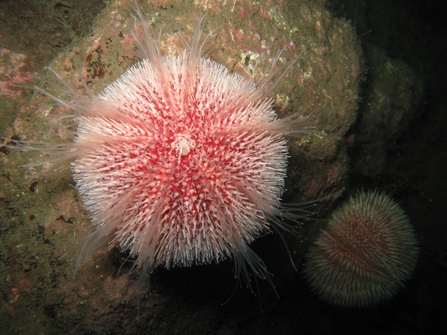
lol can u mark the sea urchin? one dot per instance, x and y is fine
(365, 253)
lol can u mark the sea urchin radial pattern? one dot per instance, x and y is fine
(365, 253)
(182, 166)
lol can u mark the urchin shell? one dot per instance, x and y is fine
(365, 253)
(179, 162)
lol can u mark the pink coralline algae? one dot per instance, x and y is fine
(15, 69)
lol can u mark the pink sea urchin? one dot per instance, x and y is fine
(179, 162)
